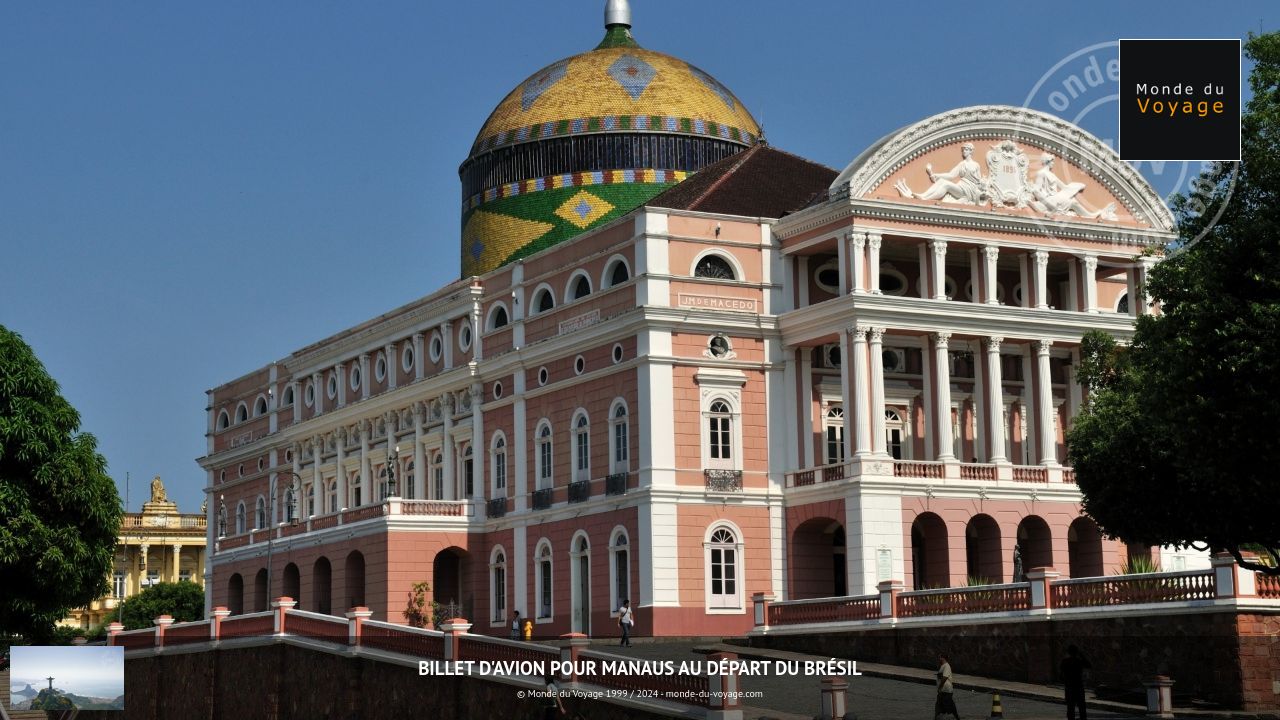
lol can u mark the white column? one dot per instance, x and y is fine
(1073, 286)
(978, 402)
(477, 345)
(975, 274)
(446, 447)
(805, 417)
(873, 261)
(322, 497)
(923, 256)
(297, 401)
(1042, 279)
(478, 445)
(995, 400)
(929, 400)
(340, 442)
(857, 248)
(365, 378)
(446, 337)
(939, 248)
(300, 492)
(1027, 409)
(877, 391)
(393, 365)
(862, 428)
(848, 401)
(317, 391)
(366, 474)
(419, 455)
(1024, 278)
(1089, 265)
(177, 556)
(340, 376)
(1131, 281)
(990, 255)
(842, 264)
(1144, 298)
(942, 424)
(1044, 402)
(418, 365)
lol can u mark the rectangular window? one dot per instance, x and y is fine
(620, 444)
(117, 585)
(544, 605)
(500, 470)
(499, 593)
(720, 438)
(439, 482)
(468, 474)
(544, 465)
(622, 588)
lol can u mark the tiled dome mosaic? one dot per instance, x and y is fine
(588, 139)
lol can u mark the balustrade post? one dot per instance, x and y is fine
(162, 622)
(762, 602)
(282, 605)
(454, 629)
(220, 613)
(1228, 579)
(113, 630)
(1159, 696)
(355, 624)
(724, 701)
(834, 698)
(571, 648)
(1041, 580)
(889, 590)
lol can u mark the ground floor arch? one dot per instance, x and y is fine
(1035, 544)
(355, 585)
(930, 564)
(983, 550)
(1084, 548)
(818, 560)
(321, 586)
(448, 576)
(260, 591)
(235, 594)
(292, 583)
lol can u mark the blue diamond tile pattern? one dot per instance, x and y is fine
(714, 85)
(538, 84)
(633, 74)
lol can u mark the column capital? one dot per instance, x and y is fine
(857, 237)
(939, 247)
(941, 339)
(1041, 257)
(876, 334)
(1042, 346)
(364, 357)
(858, 332)
(417, 337)
(993, 343)
(874, 238)
(447, 325)
(1090, 262)
(991, 252)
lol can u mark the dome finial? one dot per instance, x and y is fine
(617, 12)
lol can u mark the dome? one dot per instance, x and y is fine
(588, 139)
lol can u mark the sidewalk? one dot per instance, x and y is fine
(974, 683)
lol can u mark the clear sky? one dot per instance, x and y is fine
(89, 670)
(189, 191)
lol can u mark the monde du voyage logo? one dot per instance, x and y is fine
(1180, 100)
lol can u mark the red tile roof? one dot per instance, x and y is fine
(757, 182)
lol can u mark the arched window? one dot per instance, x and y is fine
(260, 407)
(579, 287)
(311, 500)
(380, 490)
(410, 481)
(288, 394)
(543, 301)
(720, 434)
(333, 496)
(544, 456)
(620, 453)
(357, 490)
(617, 273)
(290, 497)
(260, 515)
(834, 432)
(619, 570)
(242, 413)
(1122, 305)
(224, 420)
(240, 519)
(437, 476)
(468, 473)
(723, 561)
(714, 267)
(581, 448)
(498, 585)
(543, 580)
(499, 464)
(498, 317)
(895, 431)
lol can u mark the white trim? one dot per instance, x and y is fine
(614, 601)
(887, 268)
(533, 299)
(614, 465)
(579, 622)
(466, 336)
(817, 273)
(568, 286)
(495, 491)
(435, 346)
(738, 274)
(538, 557)
(607, 275)
(493, 309)
(242, 413)
(576, 433)
(224, 419)
(539, 439)
(739, 565)
(497, 618)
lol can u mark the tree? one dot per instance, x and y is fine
(59, 511)
(1178, 444)
(183, 601)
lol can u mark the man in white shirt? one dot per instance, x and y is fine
(946, 703)
(625, 620)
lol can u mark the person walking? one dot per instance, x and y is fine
(946, 702)
(1073, 670)
(515, 625)
(553, 707)
(626, 619)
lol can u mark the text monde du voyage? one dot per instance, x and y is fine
(1179, 99)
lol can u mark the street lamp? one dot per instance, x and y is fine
(272, 525)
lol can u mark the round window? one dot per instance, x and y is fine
(333, 386)
(464, 338)
(406, 358)
(380, 368)
(892, 282)
(542, 376)
(579, 365)
(355, 378)
(827, 276)
(309, 395)
(497, 390)
(617, 353)
(437, 348)
(833, 356)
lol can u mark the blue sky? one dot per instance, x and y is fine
(96, 671)
(189, 191)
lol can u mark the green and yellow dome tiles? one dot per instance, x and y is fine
(588, 139)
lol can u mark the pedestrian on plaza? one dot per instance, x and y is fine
(626, 619)
(554, 707)
(515, 625)
(946, 702)
(1074, 666)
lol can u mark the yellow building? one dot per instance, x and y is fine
(156, 545)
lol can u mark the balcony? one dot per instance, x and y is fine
(495, 507)
(616, 484)
(723, 481)
(542, 499)
(456, 511)
(931, 471)
(579, 491)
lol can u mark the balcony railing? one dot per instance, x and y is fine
(1030, 473)
(918, 469)
(495, 507)
(579, 491)
(723, 480)
(616, 484)
(542, 499)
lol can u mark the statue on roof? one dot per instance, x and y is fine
(157, 491)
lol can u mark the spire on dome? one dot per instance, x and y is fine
(617, 25)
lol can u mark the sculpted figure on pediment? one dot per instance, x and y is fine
(1054, 197)
(963, 184)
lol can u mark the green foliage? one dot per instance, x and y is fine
(418, 613)
(184, 601)
(60, 510)
(64, 635)
(1178, 445)
(977, 581)
(1138, 564)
